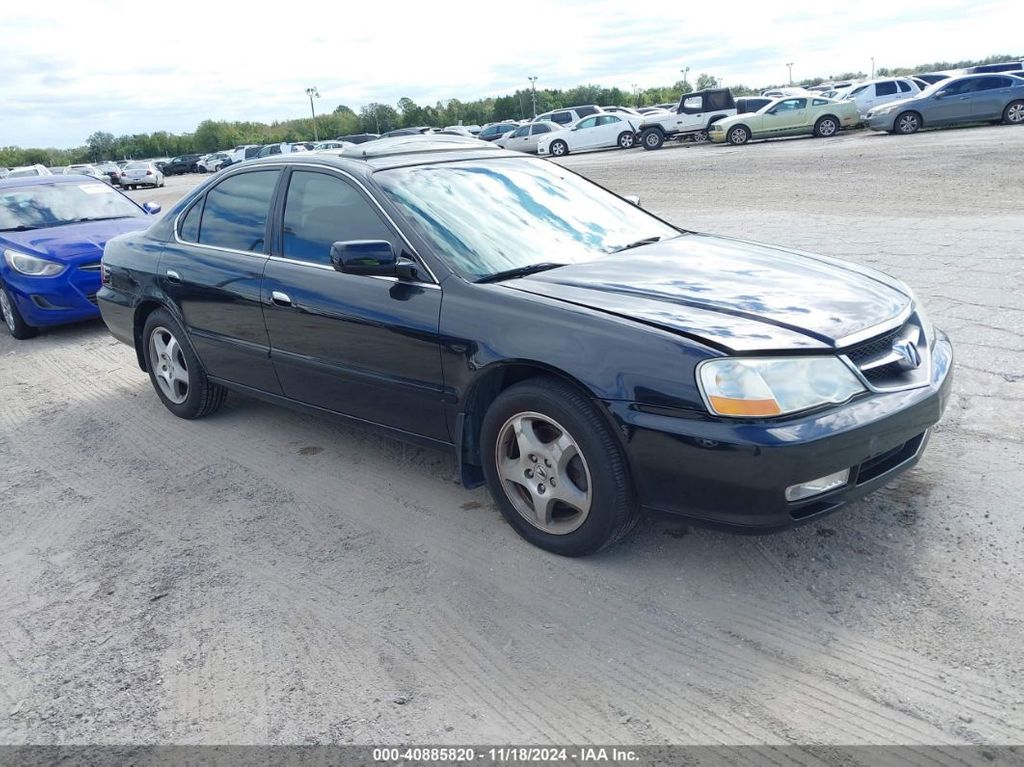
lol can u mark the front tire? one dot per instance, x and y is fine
(175, 371)
(1014, 113)
(907, 123)
(825, 127)
(555, 468)
(627, 140)
(13, 320)
(559, 148)
(652, 138)
(739, 135)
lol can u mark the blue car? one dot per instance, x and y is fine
(52, 233)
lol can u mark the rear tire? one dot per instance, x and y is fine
(907, 123)
(826, 126)
(12, 318)
(627, 140)
(738, 135)
(544, 439)
(652, 138)
(1014, 113)
(175, 371)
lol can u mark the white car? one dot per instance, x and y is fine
(211, 162)
(526, 137)
(602, 131)
(29, 170)
(874, 93)
(141, 173)
(86, 170)
(568, 115)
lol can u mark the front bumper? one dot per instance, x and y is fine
(733, 474)
(880, 122)
(716, 136)
(46, 301)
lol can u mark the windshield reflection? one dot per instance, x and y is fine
(486, 217)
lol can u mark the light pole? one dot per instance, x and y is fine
(636, 95)
(685, 71)
(872, 67)
(311, 92)
(790, 65)
(533, 93)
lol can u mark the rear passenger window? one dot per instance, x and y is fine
(904, 86)
(321, 210)
(886, 88)
(818, 102)
(235, 213)
(562, 118)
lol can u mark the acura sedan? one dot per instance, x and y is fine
(954, 101)
(582, 357)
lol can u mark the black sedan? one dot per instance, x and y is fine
(581, 356)
(186, 163)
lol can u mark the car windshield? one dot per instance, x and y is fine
(489, 217)
(37, 207)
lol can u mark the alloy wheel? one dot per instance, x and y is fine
(544, 473)
(908, 123)
(167, 360)
(8, 311)
(826, 127)
(1015, 113)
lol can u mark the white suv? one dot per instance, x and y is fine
(874, 93)
(569, 115)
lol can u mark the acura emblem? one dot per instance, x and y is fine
(909, 356)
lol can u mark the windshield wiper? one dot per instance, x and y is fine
(637, 244)
(83, 219)
(20, 228)
(520, 271)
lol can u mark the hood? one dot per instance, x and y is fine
(736, 295)
(73, 243)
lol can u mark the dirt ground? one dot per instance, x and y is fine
(263, 576)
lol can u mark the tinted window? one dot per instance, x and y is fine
(189, 230)
(962, 86)
(561, 117)
(818, 102)
(904, 86)
(321, 210)
(521, 131)
(720, 100)
(991, 83)
(590, 122)
(584, 111)
(887, 88)
(538, 129)
(235, 214)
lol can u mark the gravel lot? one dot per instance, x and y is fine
(267, 577)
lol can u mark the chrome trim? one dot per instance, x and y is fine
(171, 274)
(280, 298)
(333, 168)
(876, 330)
(329, 268)
(925, 367)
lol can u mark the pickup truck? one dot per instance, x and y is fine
(692, 117)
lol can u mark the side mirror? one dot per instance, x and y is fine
(940, 95)
(632, 198)
(152, 208)
(366, 257)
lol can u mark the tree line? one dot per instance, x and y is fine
(211, 135)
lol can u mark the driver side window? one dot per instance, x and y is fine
(320, 210)
(590, 122)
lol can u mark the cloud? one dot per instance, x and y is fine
(68, 68)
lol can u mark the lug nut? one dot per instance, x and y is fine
(533, 458)
(547, 462)
(552, 481)
(540, 489)
(528, 473)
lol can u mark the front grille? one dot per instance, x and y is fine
(881, 363)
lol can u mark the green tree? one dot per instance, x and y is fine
(102, 146)
(705, 81)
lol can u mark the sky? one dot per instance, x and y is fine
(70, 68)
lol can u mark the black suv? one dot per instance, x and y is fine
(185, 163)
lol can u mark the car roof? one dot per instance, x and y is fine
(396, 152)
(8, 183)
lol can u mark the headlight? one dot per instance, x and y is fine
(30, 265)
(770, 386)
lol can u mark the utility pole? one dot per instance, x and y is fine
(872, 67)
(790, 65)
(686, 72)
(636, 95)
(533, 94)
(311, 92)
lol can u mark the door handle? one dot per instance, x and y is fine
(173, 276)
(280, 299)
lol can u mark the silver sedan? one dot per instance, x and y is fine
(955, 101)
(525, 137)
(137, 173)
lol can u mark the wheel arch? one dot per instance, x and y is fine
(714, 119)
(488, 385)
(145, 308)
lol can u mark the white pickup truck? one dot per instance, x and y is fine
(692, 116)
